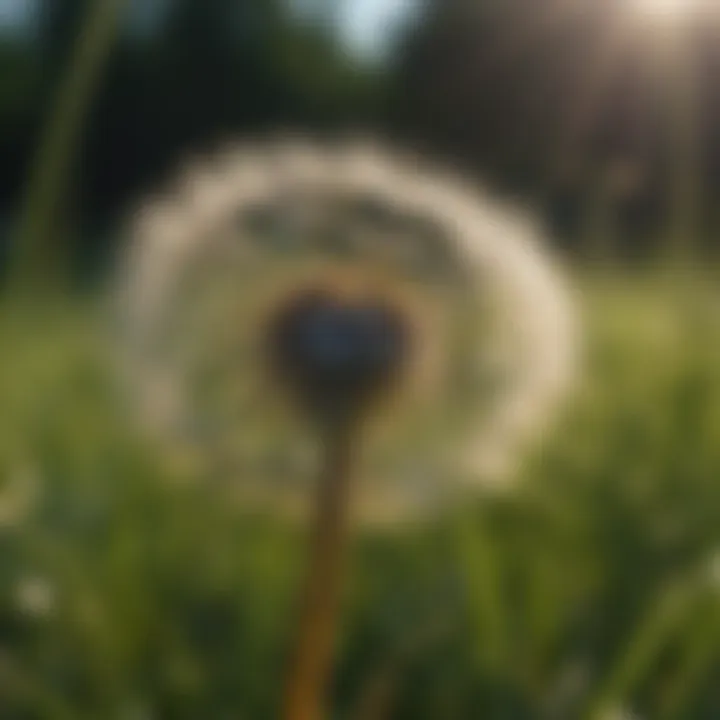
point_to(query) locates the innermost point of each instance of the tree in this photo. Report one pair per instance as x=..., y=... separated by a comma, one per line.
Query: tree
x=559, y=102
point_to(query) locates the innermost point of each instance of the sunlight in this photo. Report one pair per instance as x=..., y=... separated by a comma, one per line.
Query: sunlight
x=672, y=10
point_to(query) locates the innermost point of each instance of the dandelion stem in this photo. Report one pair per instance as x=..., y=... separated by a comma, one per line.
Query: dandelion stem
x=312, y=655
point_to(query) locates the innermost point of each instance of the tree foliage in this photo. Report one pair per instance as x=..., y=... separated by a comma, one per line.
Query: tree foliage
x=184, y=77
x=572, y=104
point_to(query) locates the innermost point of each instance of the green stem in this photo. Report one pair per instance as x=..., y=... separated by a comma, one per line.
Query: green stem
x=35, y=254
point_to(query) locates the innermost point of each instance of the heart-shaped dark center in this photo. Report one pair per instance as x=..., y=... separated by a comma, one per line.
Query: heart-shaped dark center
x=339, y=354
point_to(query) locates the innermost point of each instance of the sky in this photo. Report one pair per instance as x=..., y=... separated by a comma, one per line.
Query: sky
x=13, y=12
x=366, y=24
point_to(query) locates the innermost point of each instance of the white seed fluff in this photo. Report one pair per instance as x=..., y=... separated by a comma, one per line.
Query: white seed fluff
x=190, y=276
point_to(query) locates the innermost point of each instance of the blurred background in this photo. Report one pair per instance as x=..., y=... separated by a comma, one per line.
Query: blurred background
x=129, y=591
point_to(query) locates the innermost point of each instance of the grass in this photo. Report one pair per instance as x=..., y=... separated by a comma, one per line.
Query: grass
x=130, y=589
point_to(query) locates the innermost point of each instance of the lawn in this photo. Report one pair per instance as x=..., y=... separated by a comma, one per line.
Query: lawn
x=134, y=588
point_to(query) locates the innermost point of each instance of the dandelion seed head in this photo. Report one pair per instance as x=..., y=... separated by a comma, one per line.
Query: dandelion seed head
x=251, y=224
x=35, y=596
x=619, y=713
x=19, y=495
x=136, y=710
x=710, y=573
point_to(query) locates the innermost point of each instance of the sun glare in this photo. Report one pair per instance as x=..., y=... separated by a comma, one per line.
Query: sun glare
x=668, y=9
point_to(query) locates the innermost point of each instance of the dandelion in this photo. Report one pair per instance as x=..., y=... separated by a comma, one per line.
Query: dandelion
x=358, y=287
x=136, y=710
x=35, y=596
x=212, y=258
x=619, y=713
x=570, y=687
x=710, y=572
x=18, y=496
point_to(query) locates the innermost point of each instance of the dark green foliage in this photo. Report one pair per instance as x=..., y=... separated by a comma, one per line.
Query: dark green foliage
x=183, y=79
